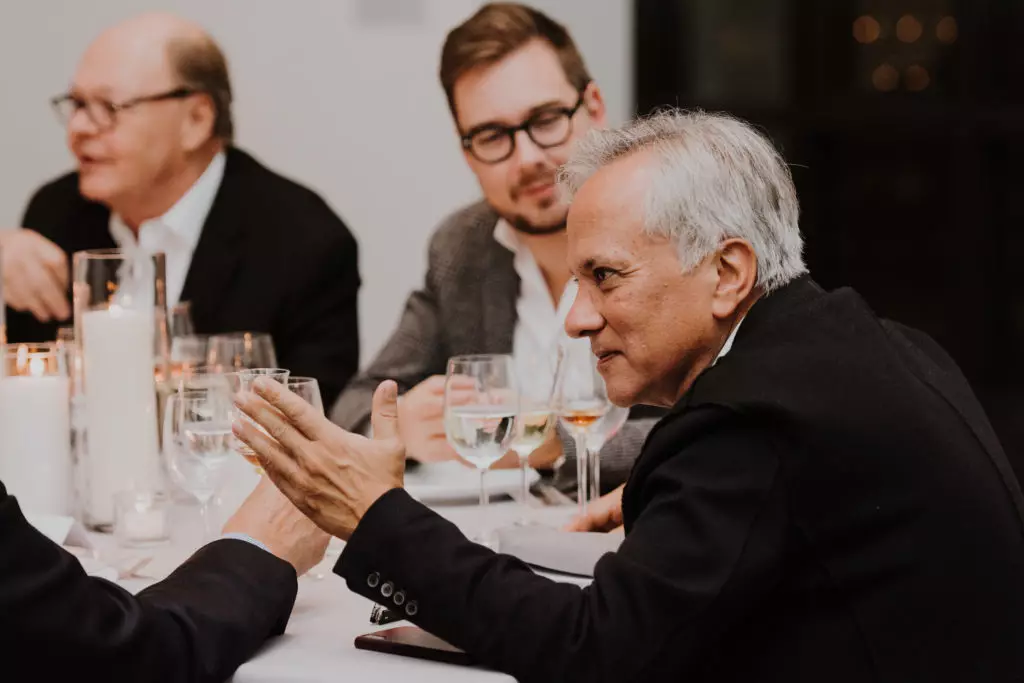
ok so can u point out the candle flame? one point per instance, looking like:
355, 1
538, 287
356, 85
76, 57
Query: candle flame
21, 359
29, 364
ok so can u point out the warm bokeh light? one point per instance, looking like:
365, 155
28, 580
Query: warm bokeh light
908, 28
885, 77
916, 77
947, 30
866, 29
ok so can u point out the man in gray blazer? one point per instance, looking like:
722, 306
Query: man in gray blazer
520, 95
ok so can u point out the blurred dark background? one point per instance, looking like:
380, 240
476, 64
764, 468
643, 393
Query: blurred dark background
903, 121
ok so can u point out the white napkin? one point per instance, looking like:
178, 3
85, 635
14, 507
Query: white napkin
561, 551
64, 531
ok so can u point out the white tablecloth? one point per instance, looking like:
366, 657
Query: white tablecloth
318, 643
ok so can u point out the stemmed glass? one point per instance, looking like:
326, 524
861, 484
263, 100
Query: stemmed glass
240, 351
597, 436
308, 389
536, 375
197, 444
581, 400
242, 381
481, 403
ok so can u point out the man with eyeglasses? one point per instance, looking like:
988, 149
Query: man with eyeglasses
149, 122
520, 95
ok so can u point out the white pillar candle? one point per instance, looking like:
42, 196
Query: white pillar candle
35, 443
120, 407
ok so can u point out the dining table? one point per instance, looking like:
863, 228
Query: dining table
318, 643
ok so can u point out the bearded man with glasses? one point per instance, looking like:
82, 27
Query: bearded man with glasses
148, 119
497, 279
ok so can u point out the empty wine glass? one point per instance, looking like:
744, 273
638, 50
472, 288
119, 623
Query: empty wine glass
481, 402
197, 445
242, 381
308, 389
240, 351
581, 400
188, 352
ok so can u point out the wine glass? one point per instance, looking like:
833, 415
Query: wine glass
597, 436
241, 351
308, 389
242, 381
197, 445
581, 400
481, 402
536, 423
187, 352
179, 320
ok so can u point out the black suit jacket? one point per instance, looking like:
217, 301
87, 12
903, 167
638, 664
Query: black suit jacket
827, 503
199, 624
272, 257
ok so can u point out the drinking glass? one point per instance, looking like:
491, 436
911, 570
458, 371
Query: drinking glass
581, 400
188, 351
241, 351
481, 403
308, 389
198, 445
179, 320
597, 436
242, 381
536, 423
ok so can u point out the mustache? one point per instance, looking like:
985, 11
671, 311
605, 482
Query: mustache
546, 176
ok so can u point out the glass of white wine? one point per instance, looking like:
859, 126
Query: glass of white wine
242, 381
481, 404
581, 400
536, 424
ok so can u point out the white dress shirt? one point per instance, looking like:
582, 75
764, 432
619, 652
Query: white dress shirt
176, 233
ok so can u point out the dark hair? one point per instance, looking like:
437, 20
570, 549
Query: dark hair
498, 29
201, 66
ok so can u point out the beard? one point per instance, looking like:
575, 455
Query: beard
520, 224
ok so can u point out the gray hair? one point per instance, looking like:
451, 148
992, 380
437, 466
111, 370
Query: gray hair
717, 178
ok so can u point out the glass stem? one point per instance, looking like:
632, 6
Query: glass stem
594, 467
582, 475
204, 513
484, 536
524, 485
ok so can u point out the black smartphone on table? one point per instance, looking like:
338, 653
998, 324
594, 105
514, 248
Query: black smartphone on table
412, 641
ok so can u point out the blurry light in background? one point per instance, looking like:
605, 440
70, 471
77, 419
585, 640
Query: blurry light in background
908, 28
916, 77
885, 77
866, 29
946, 31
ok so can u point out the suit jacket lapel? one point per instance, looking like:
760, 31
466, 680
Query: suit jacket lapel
220, 248
499, 292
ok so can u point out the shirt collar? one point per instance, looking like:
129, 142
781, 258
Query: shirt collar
505, 235
185, 219
727, 347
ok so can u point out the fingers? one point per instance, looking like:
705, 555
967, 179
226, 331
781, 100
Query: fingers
279, 465
276, 424
384, 417
298, 413
51, 293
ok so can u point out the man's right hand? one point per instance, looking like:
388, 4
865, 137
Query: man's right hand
270, 518
421, 420
604, 514
35, 273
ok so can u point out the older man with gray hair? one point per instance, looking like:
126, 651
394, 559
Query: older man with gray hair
825, 500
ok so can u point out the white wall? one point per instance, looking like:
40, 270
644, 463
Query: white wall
341, 95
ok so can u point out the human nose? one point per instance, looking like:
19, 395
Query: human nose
583, 319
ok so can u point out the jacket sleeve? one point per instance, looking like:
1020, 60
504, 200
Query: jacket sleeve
654, 606
196, 626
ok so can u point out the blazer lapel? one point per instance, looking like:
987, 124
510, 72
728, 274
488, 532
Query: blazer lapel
499, 291
220, 248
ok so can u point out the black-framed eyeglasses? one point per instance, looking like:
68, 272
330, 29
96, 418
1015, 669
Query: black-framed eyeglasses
103, 113
494, 143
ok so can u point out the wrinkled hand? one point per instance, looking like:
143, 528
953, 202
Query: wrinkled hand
421, 421
330, 474
35, 272
271, 519
604, 514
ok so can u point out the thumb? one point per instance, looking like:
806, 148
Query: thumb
385, 411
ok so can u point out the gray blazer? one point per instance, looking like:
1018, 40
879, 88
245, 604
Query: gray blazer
467, 305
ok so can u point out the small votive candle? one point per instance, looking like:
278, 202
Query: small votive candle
141, 518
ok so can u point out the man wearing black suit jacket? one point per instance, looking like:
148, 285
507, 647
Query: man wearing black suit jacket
825, 501
196, 626
149, 122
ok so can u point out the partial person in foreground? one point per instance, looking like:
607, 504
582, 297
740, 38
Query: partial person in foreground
825, 500
497, 281
149, 121
196, 626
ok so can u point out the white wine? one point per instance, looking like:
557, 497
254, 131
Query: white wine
533, 431
208, 441
481, 434
199, 463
